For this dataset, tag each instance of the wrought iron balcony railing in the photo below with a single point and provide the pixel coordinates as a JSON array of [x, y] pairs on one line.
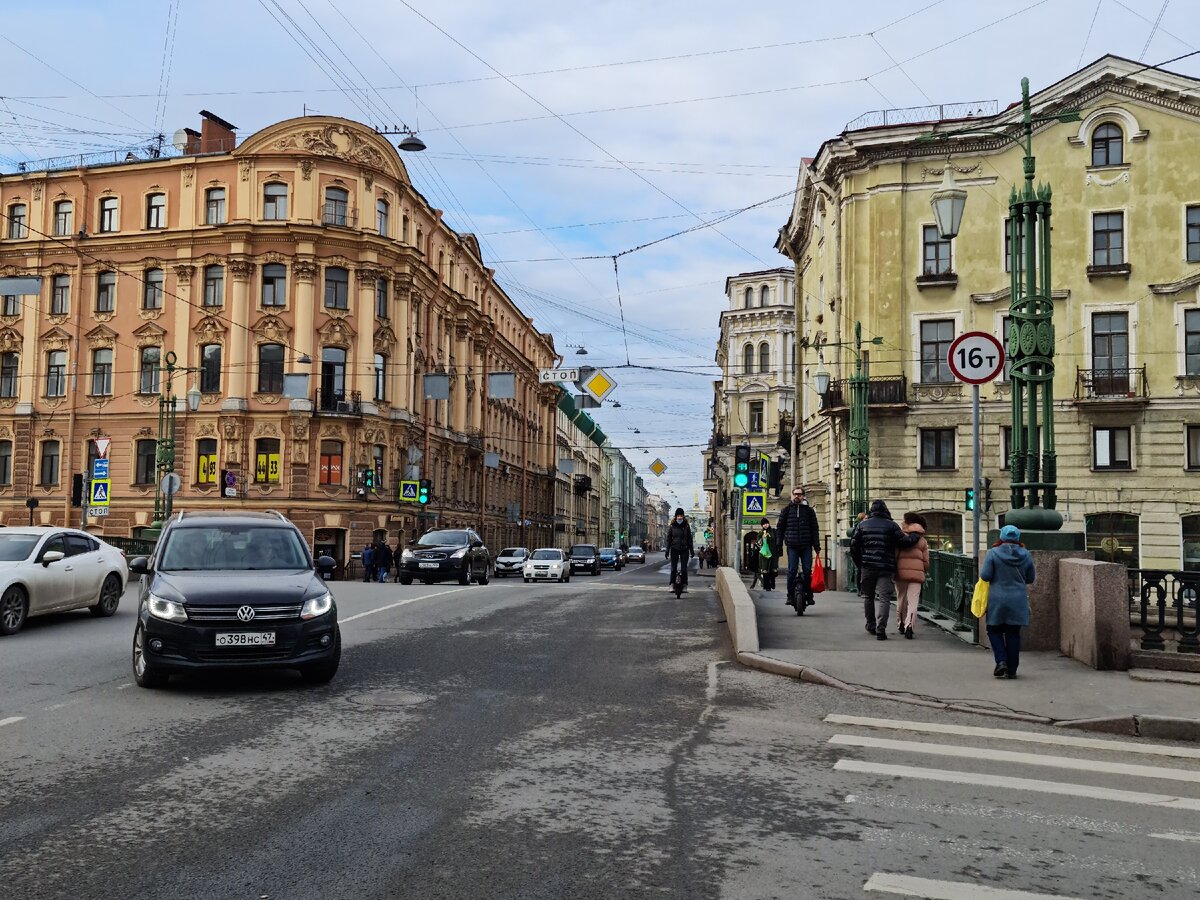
[[1111, 384], [882, 390], [338, 403]]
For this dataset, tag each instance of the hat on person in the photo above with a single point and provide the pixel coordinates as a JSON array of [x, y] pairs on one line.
[[679, 511], [1010, 533], [764, 521]]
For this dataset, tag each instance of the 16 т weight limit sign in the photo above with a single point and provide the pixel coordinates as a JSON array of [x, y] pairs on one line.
[[976, 357]]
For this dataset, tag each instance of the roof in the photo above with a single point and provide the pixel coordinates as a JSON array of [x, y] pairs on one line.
[[787, 271]]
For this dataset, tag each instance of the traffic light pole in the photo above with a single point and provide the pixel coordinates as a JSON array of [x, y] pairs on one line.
[[976, 477]]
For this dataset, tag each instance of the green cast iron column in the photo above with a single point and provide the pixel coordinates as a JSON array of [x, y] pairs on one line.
[[860, 435]]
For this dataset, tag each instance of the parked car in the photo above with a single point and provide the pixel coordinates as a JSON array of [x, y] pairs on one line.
[[584, 557], [637, 555], [232, 590], [510, 561], [546, 564], [446, 553], [46, 570], [610, 558]]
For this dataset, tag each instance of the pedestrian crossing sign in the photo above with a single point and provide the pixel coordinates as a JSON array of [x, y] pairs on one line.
[[408, 491], [101, 489], [754, 503]]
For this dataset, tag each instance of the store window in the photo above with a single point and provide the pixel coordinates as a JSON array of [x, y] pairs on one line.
[[1113, 537]]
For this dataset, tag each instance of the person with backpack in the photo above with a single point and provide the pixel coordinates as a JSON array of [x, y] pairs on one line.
[[873, 547], [911, 565], [1008, 569]]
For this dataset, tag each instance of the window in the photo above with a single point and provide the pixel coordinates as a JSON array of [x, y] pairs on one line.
[[18, 221], [9, 366], [274, 285], [145, 455], [106, 291], [404, 228], [1110, 448], [1107, 146], [60, 295], [64, 218], [156, 211], [748, 359], [11, 305], [1193, 446], [1113, 537], [214, 206], [381, 217], [1193, 233], [381, 298], [378, 455], [152, 289], [1190, 527], [337, 288], [943, 530], [48, 472], [764, 296], [1108, 239], [108, 214], [764, 358], [56, 373], [275, 201], [749, 297], [937, 448], [756, 417], [148, 366], [936, 337], [333, 375], [1191, 342], [6, 470], [336, 201], [214, 285], [1110, 354], [936, 252], [331, 462], [210, 369], [270, 369], [102, 372], [380, 376], [266, 461], [206, 461]]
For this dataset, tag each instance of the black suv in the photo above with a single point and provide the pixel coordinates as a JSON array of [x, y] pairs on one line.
[[446, 553], [232, 591], [584, 557]]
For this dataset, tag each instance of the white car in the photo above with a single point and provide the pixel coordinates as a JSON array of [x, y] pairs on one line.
[[45, 570], [510, 561], [546, 564]]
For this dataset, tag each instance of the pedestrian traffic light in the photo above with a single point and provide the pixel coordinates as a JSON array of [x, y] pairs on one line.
[[368, 477], [741, 465], [424, 488], [969, 499], [987, 495]]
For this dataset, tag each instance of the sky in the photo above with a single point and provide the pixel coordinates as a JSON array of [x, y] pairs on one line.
[[558, 132]]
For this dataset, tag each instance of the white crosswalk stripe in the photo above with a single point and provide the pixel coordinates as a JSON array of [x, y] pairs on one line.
[[932, 889]]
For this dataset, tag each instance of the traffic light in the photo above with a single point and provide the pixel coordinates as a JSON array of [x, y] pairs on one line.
[[775, 476], [369, 479], [77, 489], [424, 489], [987, 495], [741, 465], [969, 499]]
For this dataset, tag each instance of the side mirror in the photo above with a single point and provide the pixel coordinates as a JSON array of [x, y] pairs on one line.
[[52, 556], [139, 565]]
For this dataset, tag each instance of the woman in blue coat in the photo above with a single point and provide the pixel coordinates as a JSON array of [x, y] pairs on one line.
[[1008, 570]]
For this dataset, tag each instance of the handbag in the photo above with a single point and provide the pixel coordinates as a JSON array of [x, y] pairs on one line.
[[764, 550], [818, 576], [979, 599]]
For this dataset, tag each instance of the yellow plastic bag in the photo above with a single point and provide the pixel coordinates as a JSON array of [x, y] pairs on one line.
[[979, 599]]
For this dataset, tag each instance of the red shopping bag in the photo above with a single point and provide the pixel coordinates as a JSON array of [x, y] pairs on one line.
[[818, 576]]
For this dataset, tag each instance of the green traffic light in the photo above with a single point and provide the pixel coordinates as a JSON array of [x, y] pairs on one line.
[[741, 479]]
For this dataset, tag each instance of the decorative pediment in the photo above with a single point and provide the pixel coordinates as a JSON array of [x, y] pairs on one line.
[[210, 330], [472, 244], [337, 333], [1002, 295], [10, 340], [266, 428], [55, 338], [1177, 287], [337, 261], [151, 262], [101, 336], [385, 338], [149, 335], [272, 329], [339, 141], [211, 259], [273, 257]]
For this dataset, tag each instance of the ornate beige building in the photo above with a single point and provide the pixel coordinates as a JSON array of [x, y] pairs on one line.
[[305, 242]]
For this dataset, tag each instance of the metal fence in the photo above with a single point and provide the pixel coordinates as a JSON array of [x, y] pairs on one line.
[[130, 546], [1163, 604], [946, 593], [911, 115]]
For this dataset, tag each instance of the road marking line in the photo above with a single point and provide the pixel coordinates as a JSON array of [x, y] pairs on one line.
[[1028, 759], [121, 687], [1166, 835], [977, 779], [1029, 737], [12, 720], [910, 886], [371, 612]]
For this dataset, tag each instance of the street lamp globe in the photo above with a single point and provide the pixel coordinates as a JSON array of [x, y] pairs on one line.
[[948, 202], [193, 399], [821, 381]]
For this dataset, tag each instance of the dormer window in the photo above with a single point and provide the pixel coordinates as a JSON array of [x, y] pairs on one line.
[[1108, 145]]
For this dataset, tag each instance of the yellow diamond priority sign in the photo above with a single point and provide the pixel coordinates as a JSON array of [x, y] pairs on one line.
[[658, 467], [599, 385]]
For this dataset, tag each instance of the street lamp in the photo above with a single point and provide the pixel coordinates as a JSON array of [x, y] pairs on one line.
[[165, 452]]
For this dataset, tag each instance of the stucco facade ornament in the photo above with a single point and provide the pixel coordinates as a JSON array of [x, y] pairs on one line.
[[101, 337], [53, 402], [148, 315], [273, 257], [37, 190], [189, 172], [385, 338], [367, 177], [1187, 385], [184, 273], [5, 431], [244, 169], [304, 269], [210, 330], [266, 429], [241, 269], [272, 329], [10, 340], [210, 399], [55, 339], [1117, 178], [938, 392], [105, 316], [333, 432], [337, 333], [206, 429], [146, 399], [368, 274], [267, 399], [337, 141], [306, 167]]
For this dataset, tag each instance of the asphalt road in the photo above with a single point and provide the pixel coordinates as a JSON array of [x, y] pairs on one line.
[[583, 740]]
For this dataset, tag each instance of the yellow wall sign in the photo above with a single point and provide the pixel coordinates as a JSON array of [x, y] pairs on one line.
[[266, 468]]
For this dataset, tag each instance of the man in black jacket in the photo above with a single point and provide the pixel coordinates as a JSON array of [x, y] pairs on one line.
[[679, 545], [799, 532], [873, 547]]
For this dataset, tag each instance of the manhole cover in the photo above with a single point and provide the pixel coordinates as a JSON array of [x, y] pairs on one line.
[[389, 699]]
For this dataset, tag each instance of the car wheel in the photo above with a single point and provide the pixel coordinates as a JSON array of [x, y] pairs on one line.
[[322, 673], [144, 674], [467, 576], [109, 599], [483, 579], [527, 581], [14, 609], [406, 579]]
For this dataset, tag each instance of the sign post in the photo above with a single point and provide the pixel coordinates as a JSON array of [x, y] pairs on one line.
[[975, 358]]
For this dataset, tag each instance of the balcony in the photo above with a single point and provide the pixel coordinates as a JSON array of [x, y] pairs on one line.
[[1111, 385], [475, 440], [336, 213], [338, 403], [882, 391]]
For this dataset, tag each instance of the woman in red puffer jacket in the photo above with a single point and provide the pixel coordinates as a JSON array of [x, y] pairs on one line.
[[911, 565]]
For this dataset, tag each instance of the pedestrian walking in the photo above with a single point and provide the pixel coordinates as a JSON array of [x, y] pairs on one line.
[[873, 547], [799, 532], [768, 554], [368, 561], [1008, 570], [703, 554], [911, 565], [383, 561], [713, 559]]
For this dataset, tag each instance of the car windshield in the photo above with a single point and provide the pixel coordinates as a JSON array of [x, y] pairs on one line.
[[15, 547], [608, 551], [584, 550], [547, 554], [199, 548], [513, 551], [444, 539]]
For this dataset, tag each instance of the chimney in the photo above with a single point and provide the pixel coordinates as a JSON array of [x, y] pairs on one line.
[[216, 135], [193, 142]]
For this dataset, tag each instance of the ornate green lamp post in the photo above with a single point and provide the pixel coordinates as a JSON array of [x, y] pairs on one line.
[[165, 451]]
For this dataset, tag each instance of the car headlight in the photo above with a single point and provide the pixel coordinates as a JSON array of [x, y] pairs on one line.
[[459, 553], [167, 610], [317, 606], [406, 555]]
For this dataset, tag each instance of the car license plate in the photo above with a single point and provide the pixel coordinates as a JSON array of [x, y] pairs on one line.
[[246, 639], [432, 565]]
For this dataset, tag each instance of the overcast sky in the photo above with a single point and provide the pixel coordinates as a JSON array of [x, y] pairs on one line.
[[616, 123]]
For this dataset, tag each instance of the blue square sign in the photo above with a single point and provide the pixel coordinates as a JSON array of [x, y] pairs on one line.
[[100, 468]]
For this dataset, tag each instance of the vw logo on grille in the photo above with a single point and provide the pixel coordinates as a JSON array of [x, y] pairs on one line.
[[245, 613]]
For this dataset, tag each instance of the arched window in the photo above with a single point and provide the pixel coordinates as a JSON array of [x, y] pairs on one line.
[[764, 296], [764, 357], [210, 369], [382, 208], [749, 297], [1113, 537], [336, 203], [748, 359], [1108, 145], [18, 223]]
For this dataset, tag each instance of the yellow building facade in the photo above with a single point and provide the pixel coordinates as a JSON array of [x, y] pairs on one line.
[[1126, 296], [305, 250]]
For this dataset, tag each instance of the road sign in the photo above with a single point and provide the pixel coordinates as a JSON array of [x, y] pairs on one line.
[[976, 357], [754, 503], [97, 512], [658, 467], [99, 468], [170, 483], [99, 494], [408, 491], [754, 481], [102, 445], [598, 384], [553, 376], [764, 466]]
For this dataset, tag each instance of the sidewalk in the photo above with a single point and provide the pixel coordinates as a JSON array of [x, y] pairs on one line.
[[937, 666]]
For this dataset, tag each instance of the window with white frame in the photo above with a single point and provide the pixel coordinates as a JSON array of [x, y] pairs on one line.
[[18, 221], [756, 421], [380, 377], [1108, 239], [748, 359], [152, 289], [936, 337], [156, 210], [336, 203], [275, 198], [108, 214], [56, 373], [106, 291], [382, 210], [10, 364], [1192, 438], [764, 296], [214, 285], [935, 252], [381, 298], [60, 295], [214, 206], [10, 305], [1111, 448], [749, 295], [64, 218], [274, 284], [148, 369], [764, 358], [337, 288], [102, 373], [1108, 145], [1191, 342]]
